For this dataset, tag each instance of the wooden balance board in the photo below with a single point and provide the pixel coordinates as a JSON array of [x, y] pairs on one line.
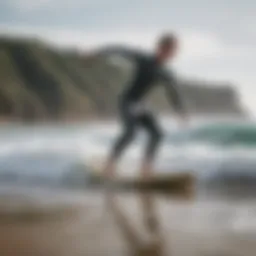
[[180, 181]]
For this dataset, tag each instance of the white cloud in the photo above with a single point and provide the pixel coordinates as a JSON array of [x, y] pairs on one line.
[[248, 24], [31, 5], [28, 5]]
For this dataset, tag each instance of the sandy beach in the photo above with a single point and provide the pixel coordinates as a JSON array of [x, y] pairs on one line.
[[64, 223]]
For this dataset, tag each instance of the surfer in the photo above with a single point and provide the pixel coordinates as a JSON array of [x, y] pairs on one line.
[[149, 70]]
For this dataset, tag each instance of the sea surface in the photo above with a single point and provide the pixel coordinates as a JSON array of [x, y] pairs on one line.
[[50, 153]]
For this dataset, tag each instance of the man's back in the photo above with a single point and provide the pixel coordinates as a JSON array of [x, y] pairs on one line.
[[147, 72]]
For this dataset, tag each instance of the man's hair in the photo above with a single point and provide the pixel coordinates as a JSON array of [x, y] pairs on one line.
[[167, 40]]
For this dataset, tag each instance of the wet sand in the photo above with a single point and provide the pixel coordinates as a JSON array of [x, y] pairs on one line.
[[65, 223]]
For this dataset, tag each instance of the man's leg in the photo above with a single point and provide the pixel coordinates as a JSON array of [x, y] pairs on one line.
[[122, 142], [148, 122]]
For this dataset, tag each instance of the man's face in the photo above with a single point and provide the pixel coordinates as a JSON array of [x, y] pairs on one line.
[[168, 52]]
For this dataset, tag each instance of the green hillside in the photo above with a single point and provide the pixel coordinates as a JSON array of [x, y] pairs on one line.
[[40, 83]]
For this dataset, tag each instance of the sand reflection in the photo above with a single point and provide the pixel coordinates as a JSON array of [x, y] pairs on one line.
[[151, 243]]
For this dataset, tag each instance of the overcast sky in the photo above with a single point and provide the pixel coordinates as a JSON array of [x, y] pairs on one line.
[[218, 37]]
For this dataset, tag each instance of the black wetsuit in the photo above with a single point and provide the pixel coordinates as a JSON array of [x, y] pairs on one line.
[[147, 73]]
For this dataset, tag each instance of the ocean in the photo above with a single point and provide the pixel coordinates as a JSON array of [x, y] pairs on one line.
[[58, 153]]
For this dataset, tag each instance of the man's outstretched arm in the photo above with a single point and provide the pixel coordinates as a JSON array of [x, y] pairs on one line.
[[122, 51], [173, 94]]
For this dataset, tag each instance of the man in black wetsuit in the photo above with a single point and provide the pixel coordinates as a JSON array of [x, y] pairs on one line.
[[149, 70]]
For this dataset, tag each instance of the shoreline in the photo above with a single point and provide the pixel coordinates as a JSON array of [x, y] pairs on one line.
[[117, 224]]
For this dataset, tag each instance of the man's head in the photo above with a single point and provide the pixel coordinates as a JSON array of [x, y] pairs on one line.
[[167, 47]]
